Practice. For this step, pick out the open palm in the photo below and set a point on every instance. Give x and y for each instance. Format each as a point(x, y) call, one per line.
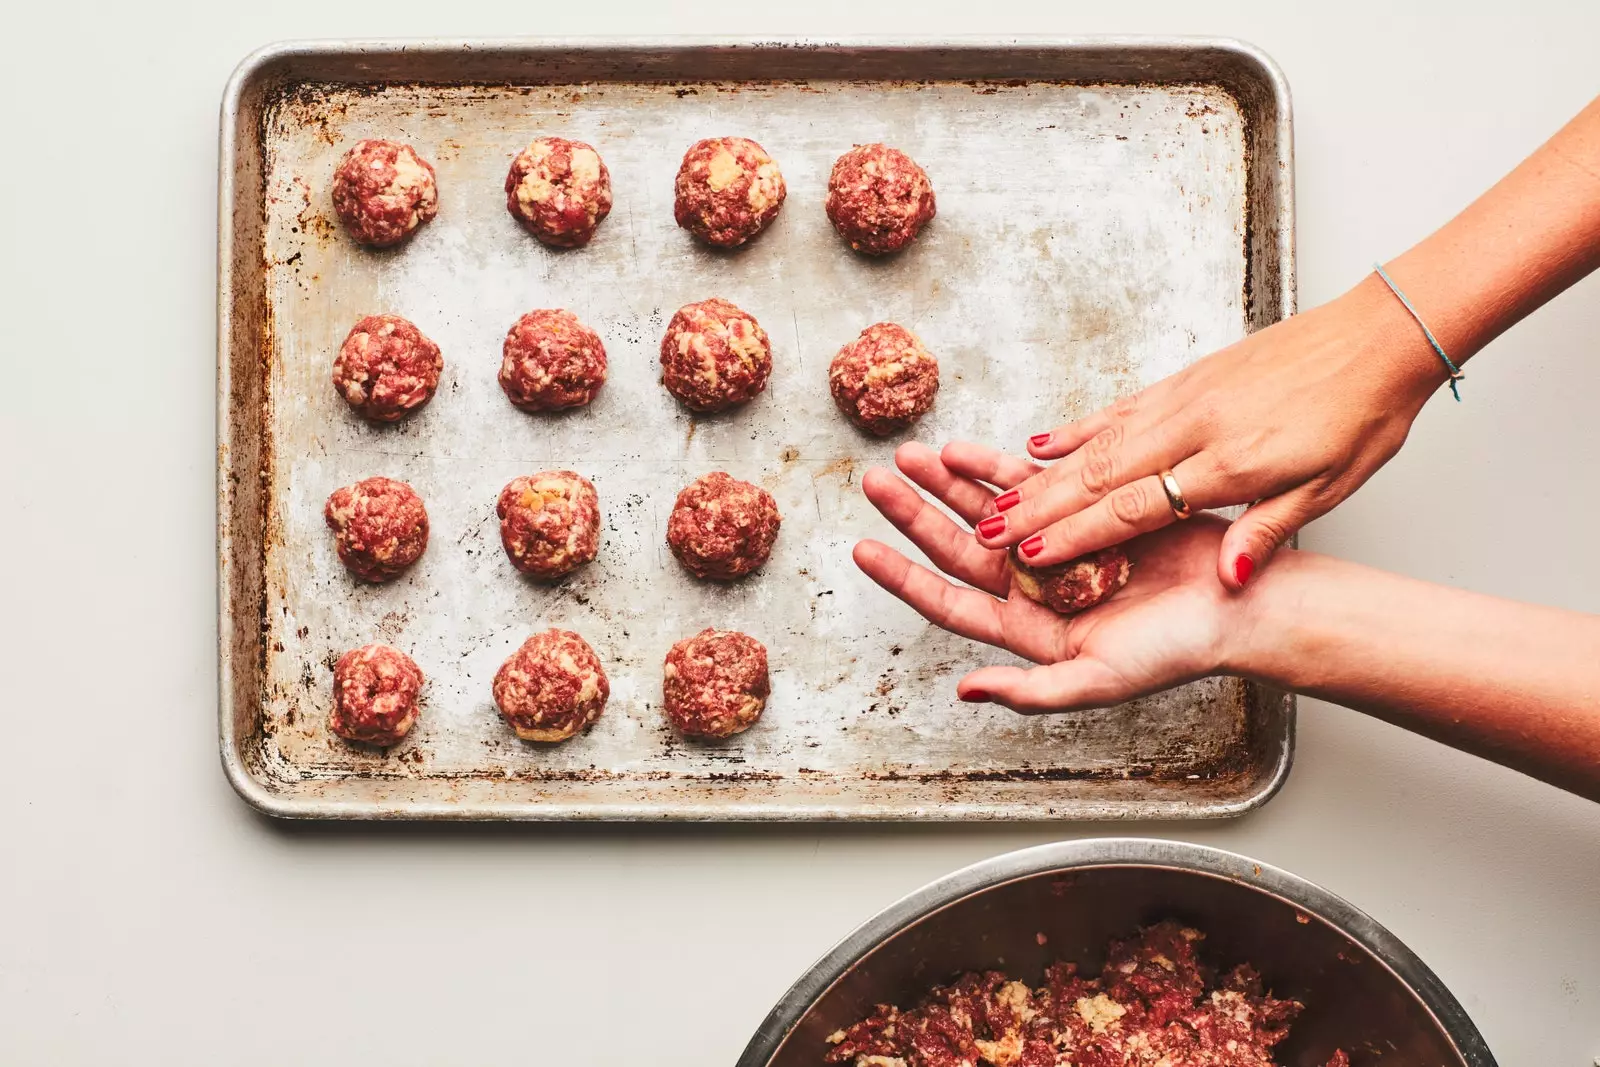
point(1167, 626)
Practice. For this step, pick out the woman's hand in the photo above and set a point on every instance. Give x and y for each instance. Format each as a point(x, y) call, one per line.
point(1511, 682)
point(1170, 624)
point(1299, 415)
point(1296, 416)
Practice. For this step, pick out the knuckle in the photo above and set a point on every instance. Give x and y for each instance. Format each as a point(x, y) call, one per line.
point(1130, 504)
point(1097, 475)
point(1109, 439)
point(1099, 470)
point(1271, 532)
point(1125, 406)
point(1229, 466)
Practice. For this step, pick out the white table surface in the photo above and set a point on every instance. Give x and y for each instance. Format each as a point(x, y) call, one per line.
point(147, 916)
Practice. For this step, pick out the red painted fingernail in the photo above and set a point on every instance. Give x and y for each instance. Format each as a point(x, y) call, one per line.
point(1008, 499)
point(1243, 568)
point(1039, 440)
point(993, 526)
point(975, 696)
point(1032, 546)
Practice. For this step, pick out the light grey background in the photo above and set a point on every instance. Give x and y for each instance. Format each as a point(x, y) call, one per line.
point(146, 916)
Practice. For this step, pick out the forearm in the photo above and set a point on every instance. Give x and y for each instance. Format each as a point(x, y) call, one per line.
point(1528, 238)
point(1515, 683)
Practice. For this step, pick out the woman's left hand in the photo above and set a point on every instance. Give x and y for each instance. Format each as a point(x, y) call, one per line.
point(1170, 624)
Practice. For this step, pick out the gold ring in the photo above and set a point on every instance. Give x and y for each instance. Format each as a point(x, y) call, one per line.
point(1170, 486)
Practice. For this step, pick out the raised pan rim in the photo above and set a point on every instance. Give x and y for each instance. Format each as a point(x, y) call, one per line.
point(252, 66)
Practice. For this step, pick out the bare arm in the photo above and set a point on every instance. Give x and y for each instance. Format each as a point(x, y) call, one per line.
point(1514, 683)
point(1529, 237)
point(1517, 684)
point(1300, 415)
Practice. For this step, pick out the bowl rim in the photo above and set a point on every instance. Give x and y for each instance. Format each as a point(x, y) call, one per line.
point(1085, 853)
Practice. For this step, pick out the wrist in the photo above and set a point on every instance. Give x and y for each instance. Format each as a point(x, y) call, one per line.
point(1400, 357)
point(1262, 643)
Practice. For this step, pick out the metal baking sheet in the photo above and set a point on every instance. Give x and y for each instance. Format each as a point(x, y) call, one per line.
point(1108, 211)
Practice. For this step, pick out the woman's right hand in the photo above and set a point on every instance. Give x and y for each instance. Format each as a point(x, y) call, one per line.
point(1292, 419)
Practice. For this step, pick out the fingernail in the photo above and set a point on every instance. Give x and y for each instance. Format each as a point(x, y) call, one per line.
point(975, 696)
point(1032, 546)
point(1243, 568)
point(1039, 440)
point(1007, 499)
point(993, 526)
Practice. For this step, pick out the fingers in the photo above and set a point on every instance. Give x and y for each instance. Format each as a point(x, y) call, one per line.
point(1138, 507)
point(947, 545)
point(963, 496)
point(1258, 533)
point(1066, 439)
point(985, 464)
point(1071, 685)
point(961, 611)
point(1111, 461)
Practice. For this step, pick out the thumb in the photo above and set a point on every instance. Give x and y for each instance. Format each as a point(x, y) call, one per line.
point(1256, 535)
point(1070, 685)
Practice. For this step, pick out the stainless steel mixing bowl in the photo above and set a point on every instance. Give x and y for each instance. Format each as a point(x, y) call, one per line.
point(1364, 991)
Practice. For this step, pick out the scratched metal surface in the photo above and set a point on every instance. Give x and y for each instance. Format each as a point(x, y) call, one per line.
point(1090, 239)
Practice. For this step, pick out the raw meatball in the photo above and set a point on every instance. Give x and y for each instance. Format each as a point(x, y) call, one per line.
point(379, 526)
point(714, 356)
point(559, 190)
point(722, 528)
point(1076, 585)
point(716, 683)
point(884, 380)
point(728, 190)
point(549, 523)
point(551, 687)
point(878, 198)
point(552, 361)
point(383, 191)
point(386, 368)
point(374, 695)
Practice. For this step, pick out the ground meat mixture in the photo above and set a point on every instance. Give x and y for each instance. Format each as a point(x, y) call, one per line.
point(1076, 585)
point(716, 683)
point(714, 356)
point(552, 361)
point(884, 380)
point(722, 528)
point(386, 368)
point(878, 199)
point(549, 523)
point(728, 190)
point(374, 695)
point(1150, 1007)
point(383, 191)
point(551, 687)
point(379, 527)
point(560, 190)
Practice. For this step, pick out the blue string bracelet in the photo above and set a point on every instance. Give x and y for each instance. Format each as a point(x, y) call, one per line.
point(1455, 371)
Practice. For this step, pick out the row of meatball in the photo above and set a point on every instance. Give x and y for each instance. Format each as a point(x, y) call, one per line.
point(714, 356)
point(720, 528)
point(715, 685)
point(728, 189)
